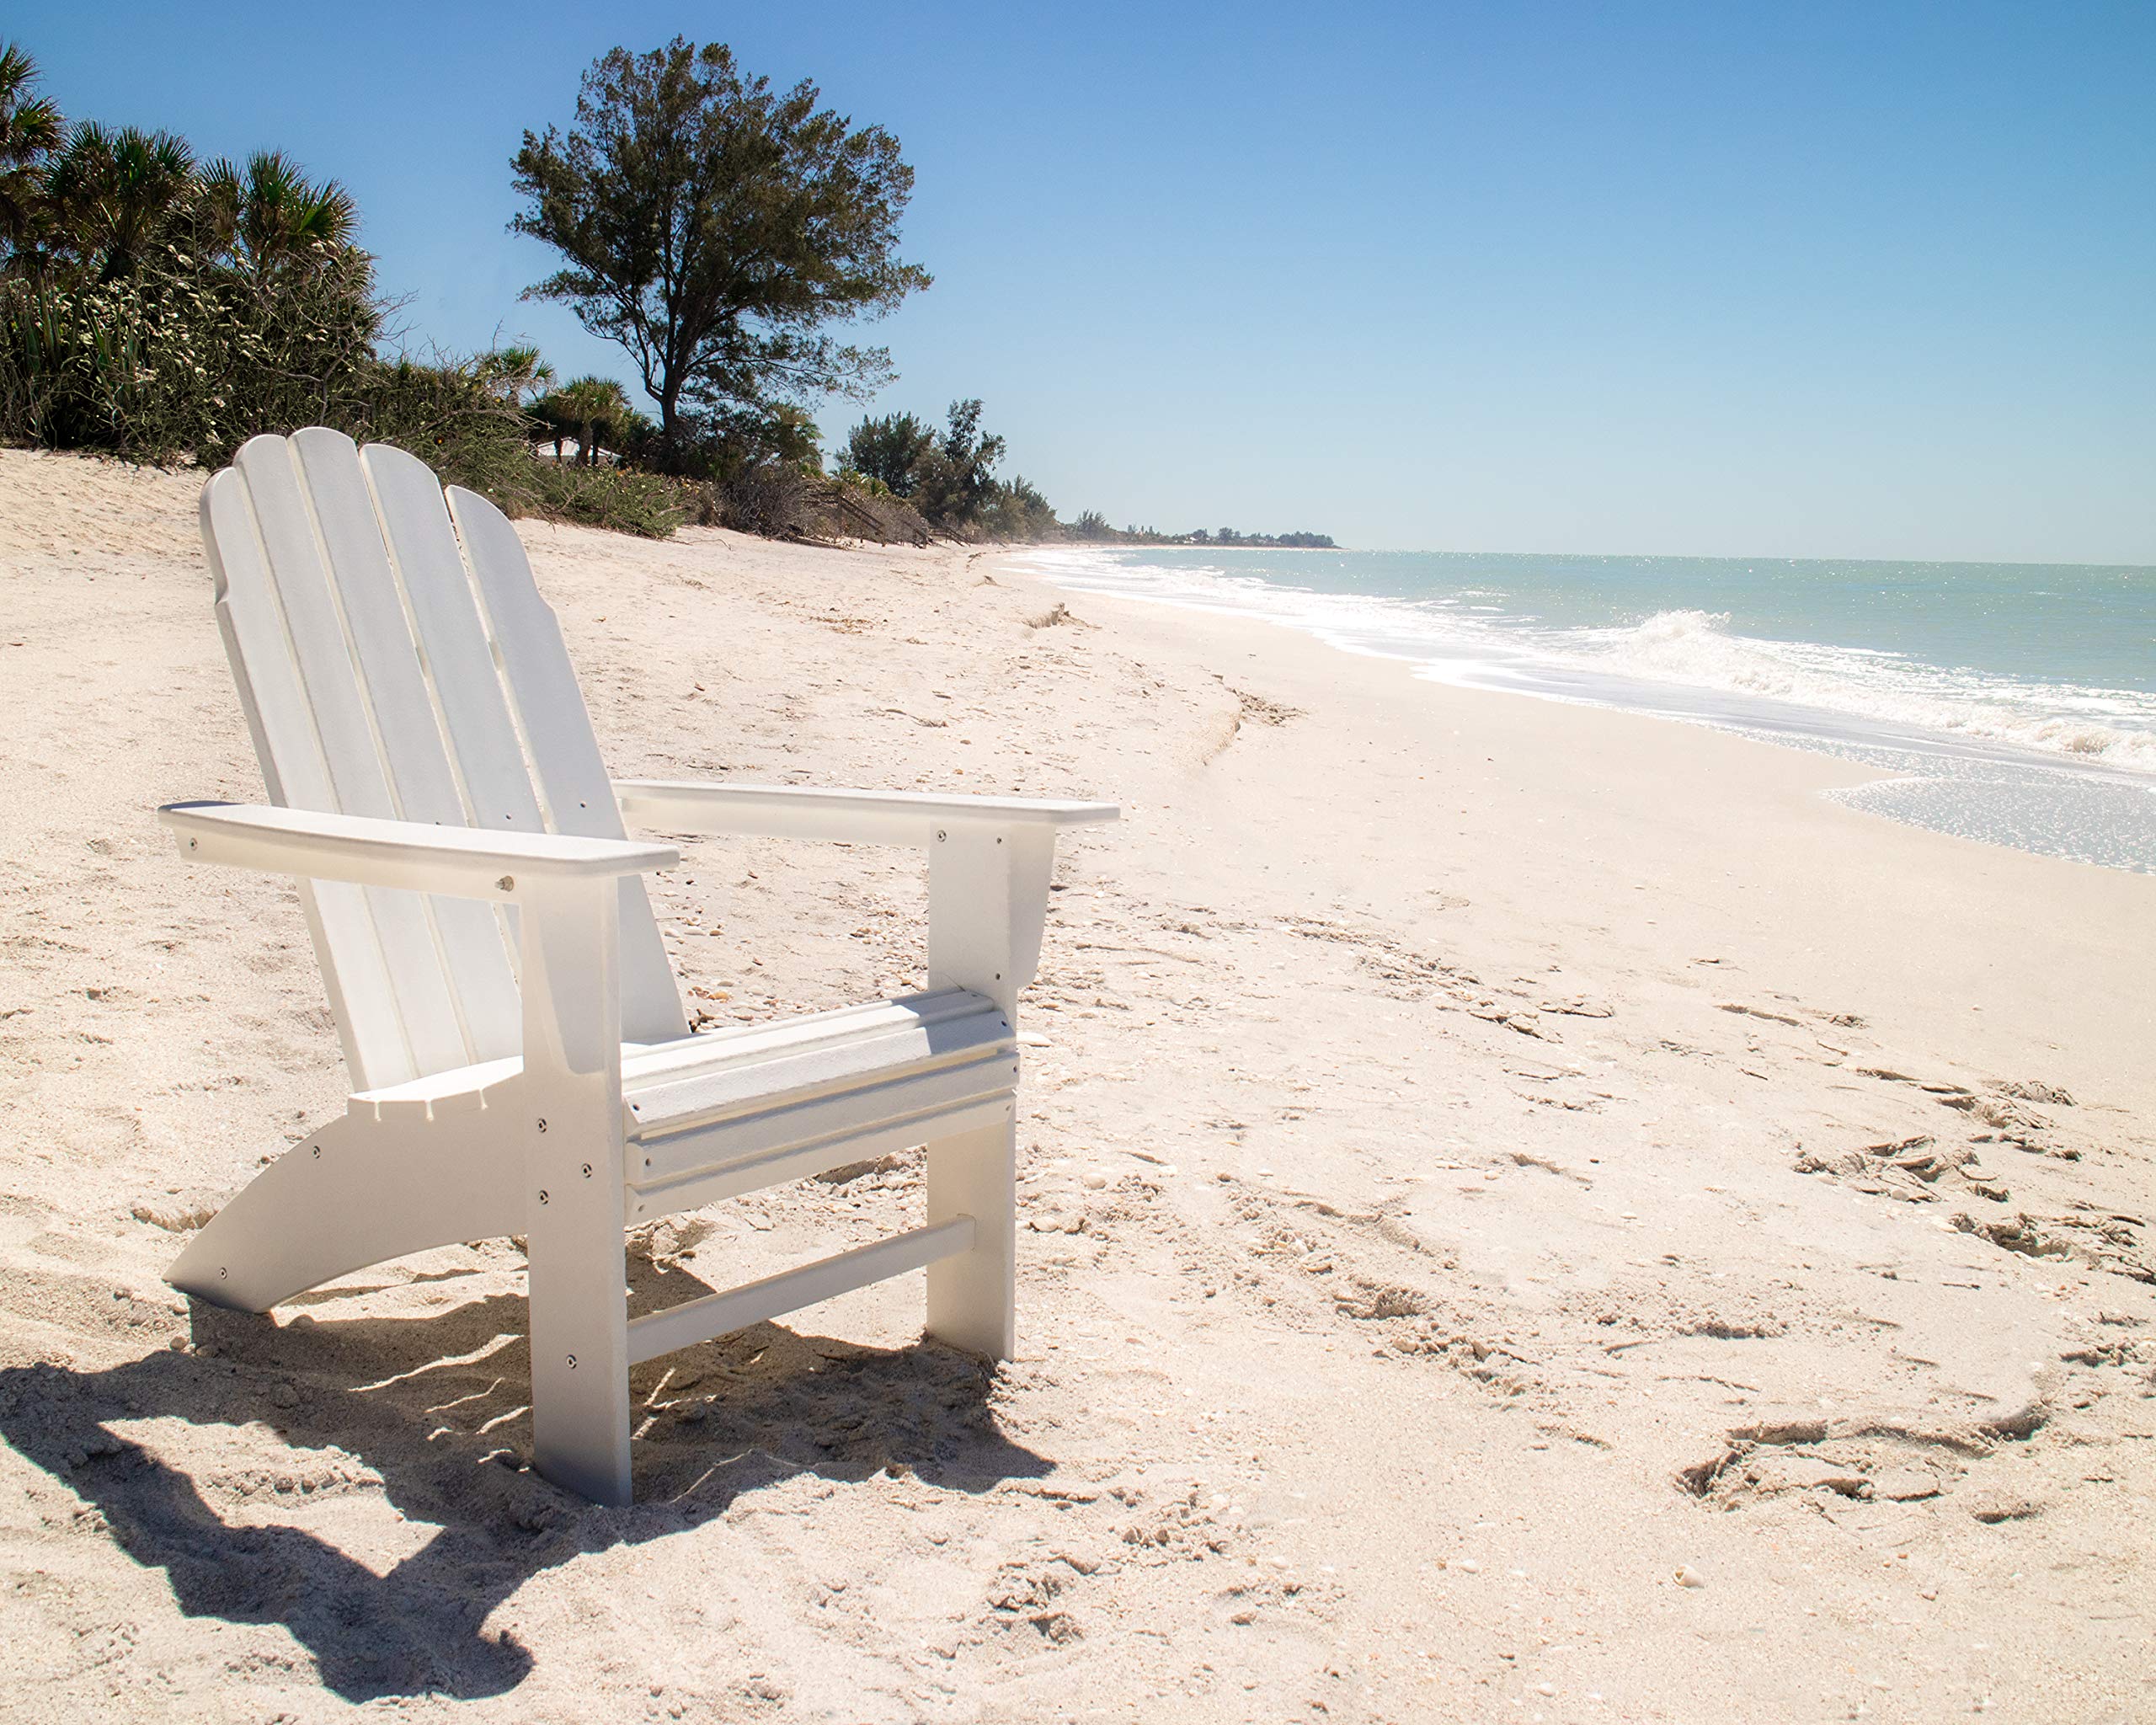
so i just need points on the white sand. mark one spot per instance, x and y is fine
(1422, 1269)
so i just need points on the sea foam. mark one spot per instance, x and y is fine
(1696, 649)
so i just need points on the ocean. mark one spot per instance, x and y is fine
(2014, 703)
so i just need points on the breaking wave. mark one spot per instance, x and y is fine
(1480, 636)
(1697, 649)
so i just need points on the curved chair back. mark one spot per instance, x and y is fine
(395, 658)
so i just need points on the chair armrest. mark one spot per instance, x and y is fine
(458, 862)
(856, 817)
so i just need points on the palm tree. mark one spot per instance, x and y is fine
(596, 406)
(272, 217)
(510, 371)
(115, 193)
(30, 129)
(546, 420)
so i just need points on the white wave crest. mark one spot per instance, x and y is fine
(1695, 648)
(1477, 644)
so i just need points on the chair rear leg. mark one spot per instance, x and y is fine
(353, 1193)
(973, 1298)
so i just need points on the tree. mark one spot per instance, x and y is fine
(30, 131)
(954, 480)
(115, 193)
(270, 217)
(791, 433)
(546, 420)
(510, 371)
(1018, 510)
(971, 455)
(890, 450)
(714, 229)
(596, 406)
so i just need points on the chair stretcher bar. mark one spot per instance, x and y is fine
(696, 1321)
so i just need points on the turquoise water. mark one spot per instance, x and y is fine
(2013, 703)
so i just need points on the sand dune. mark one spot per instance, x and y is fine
(1530, 1213)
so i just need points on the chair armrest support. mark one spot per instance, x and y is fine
(456, 862)
(989, 857)
(914, 818)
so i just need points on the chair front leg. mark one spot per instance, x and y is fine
(574, 1201)
(987, 898)
(973, 1298)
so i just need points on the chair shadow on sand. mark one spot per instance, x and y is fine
(434, 1406)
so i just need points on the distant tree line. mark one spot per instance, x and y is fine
(1229, 536)
(949, 476)
(1093, 526)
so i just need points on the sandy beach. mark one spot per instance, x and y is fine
(1531, 1213)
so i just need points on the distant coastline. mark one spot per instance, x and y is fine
(1090, 529)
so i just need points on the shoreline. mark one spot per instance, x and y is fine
(1982, 781)
(1481, 1158)
(1746, 778)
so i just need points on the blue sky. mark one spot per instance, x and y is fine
(1821, 279)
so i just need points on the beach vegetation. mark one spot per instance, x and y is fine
(782, 431)
(768, 497)
(513, 371)
(1015, 510)
(888, 450)
(115, 195)
(179, 355)
(159, 308)
(618, 499)
(956, 475)
(30, 129)
(268, 216)
(592, 408)
(718, 231)
(949, 477)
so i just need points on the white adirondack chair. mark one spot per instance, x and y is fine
(516, 1047)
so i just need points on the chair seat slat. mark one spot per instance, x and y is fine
(728, 1087)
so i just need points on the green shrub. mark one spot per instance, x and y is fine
(446, 414)
(187, 360)
(183, 357)
(768, 497)
(1015, 512)
(611, 497)
(157, 311)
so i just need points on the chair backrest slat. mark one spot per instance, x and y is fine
(453, 641)
(558, 731)
(295, 775)
(358, 774)
(375, 685)
(473, 954)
